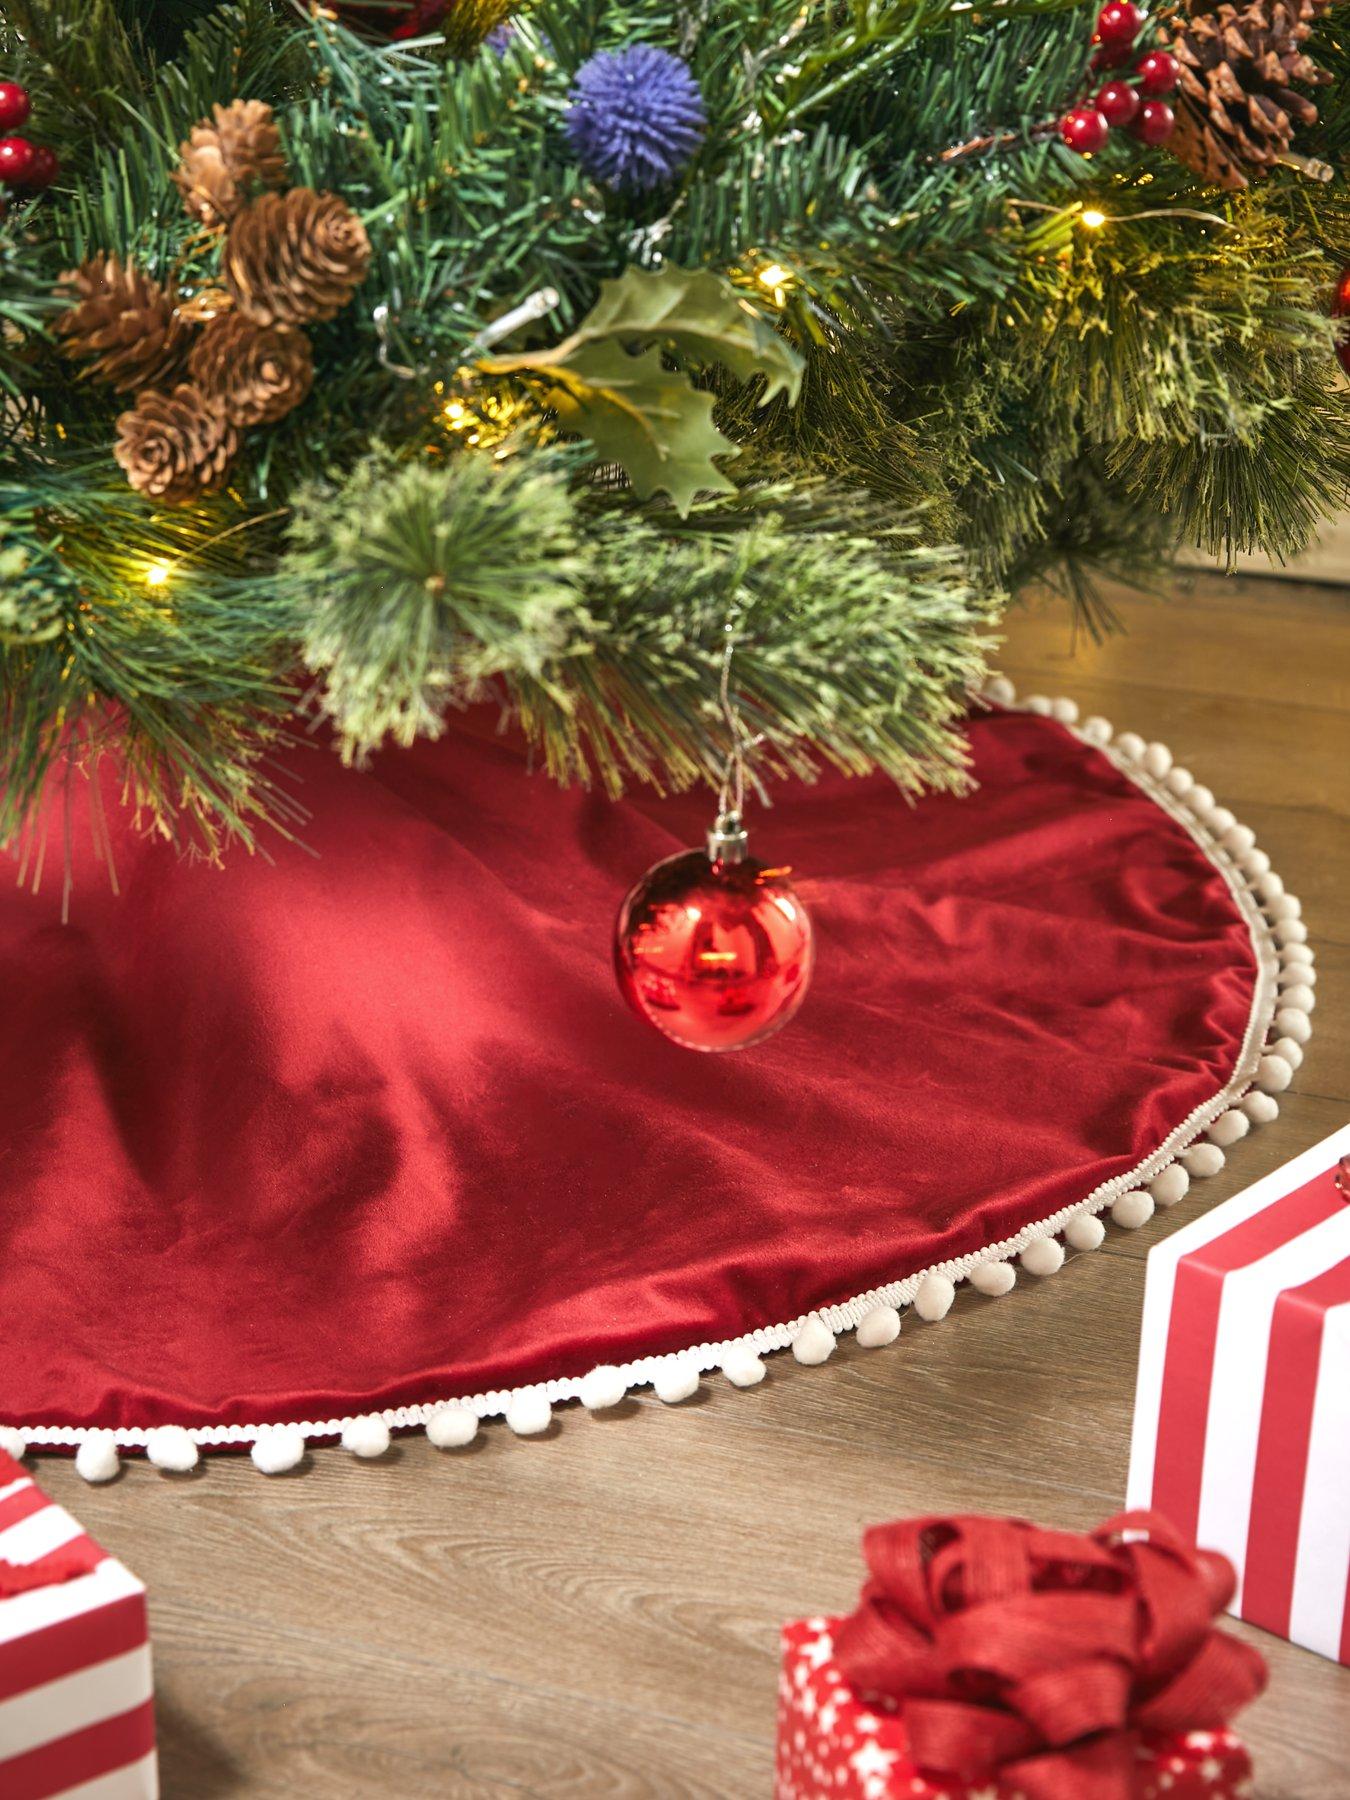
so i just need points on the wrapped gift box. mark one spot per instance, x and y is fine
(831, 1743)
(1242, 1413)
(76, 1707)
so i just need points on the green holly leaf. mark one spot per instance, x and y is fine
(608, 383)
(649, 419)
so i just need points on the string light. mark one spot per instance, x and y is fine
(774, 277)
(457, 416)
(157, 574)
(1093, 219)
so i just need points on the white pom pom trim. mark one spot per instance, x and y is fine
(452, 1427)
(879, 1327)
(1086, 1232)
(604, 1387)
(13, 1442)
(993, 1278)
(278, 1448)
(814, 1342)
(933, 1297)
(1193, 1150)
(1043, 1256)
(676, 1380)
(170, 1447)
(366, 1437)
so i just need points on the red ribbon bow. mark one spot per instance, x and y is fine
(1042, 1657)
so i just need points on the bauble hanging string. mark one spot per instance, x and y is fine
(712, 948)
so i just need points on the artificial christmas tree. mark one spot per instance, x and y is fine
(801, 316)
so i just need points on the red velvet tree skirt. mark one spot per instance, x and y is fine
(368, 1130)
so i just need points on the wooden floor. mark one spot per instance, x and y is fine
(597, 1614)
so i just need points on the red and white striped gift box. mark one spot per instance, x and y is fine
(76, 1709)
(1242, 1412)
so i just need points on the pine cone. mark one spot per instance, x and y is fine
(1236, 112)
(175, 447)
(256, 372)
(222, 162)
(294, 257)
(126, 322)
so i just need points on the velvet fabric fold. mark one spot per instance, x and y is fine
(372, 1127)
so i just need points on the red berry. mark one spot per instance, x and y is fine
(13, 105)
(16, 159)
(1157, 72)
(1084, 129)
(1120, 22)
(1154, 122)
(44, 168)
(1111, 56)
(1118, 103)
(1341, 304)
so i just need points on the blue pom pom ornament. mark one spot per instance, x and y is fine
(636, 117)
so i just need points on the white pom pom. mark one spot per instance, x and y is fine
(676, 1381)
(13, 1442)
(97, 1458)
(603, 1387)
(1261, 1108)
(1297, 974)
(934, 1298)
(1238, 840)
(742, 1367)
(1290, 1022)
(881, 1325)
(1097, 730)
(1202, 800)
(1133, 1209)
(1202, 1160)
(1273, 1075)
(1269, 885)
(1043, 1256)
(1285, 906)
(1300, 997)
(1229, 1127)
(1065, 710)
(814, 1342)
(529, 1412)
(169, 1447)
(1130, 744)
(452, 1427)
(1085, 1232)
(1220, 820)
(1000, 690)
(1180, 781)
(1037, 703)
(278, 1448)
(1255, 863)
(1289, 931)
(1171, 1185)
(993, 1278)
(1292, 954)
(1157, 761)
(1290, 1050)
(367, 1436)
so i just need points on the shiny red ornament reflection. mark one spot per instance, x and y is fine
(716, 955)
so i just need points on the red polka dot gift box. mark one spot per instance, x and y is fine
(990, 1660)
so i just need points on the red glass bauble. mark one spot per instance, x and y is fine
(1157, 72)
(1084, 129)
(43, 169)
(16, 160)
(1120, 22)
(1118, 102)
(13, 105)
(1155, 122)
(716, 955)
(1340, 307)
